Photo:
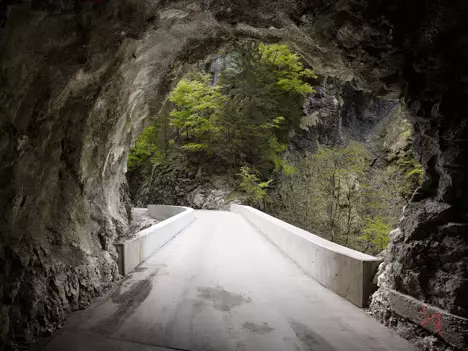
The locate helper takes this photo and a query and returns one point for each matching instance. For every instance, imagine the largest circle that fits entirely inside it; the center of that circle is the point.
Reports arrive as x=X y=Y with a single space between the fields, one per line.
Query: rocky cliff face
x=337 y=112
x=181 y=184
x=80 y=79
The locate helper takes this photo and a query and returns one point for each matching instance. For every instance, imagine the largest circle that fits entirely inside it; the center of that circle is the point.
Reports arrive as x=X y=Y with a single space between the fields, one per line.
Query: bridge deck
x=220 y=285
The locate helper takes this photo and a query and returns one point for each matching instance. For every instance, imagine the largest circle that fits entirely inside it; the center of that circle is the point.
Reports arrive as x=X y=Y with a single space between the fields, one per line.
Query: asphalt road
x=220 y=285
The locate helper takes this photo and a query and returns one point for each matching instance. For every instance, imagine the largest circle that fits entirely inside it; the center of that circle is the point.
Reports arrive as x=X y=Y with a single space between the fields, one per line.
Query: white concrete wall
x=148 y=241
x=163 y=212
x=346 y=272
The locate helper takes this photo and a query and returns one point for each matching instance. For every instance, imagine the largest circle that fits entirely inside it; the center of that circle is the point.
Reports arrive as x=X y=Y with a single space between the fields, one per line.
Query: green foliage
x=251 y=185
x=417 y=171
x=339 y=194
x=330 y=195
x=326 y=195
x=244 y=122
x=247 y=119
x=267 y=81
x=145 y=150
x=195 y=147
x=266 y=86
x=407 y=172
x=196 y=101
x=375 y=234
x=339 y=174
x=287 y=68
x=338 y=162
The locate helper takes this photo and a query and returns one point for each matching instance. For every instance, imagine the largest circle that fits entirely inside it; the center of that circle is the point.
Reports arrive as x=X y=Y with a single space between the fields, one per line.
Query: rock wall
x=80 y=78
x=337 y=112
x=62 y=196
x=72 y=98
x=182 y=184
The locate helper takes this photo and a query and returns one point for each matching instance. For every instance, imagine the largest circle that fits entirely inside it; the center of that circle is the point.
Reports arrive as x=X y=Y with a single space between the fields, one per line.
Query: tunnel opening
x=81 y=88
x=256 y=125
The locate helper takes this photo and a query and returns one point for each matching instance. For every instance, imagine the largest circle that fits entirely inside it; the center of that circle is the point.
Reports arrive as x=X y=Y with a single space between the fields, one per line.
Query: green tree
x=266 y=85
x=287 y=68
x=252 y=186
x=375 y=234
x=326 y=196
x=146 y=149
x=196 y=102
x=266 y=81
x=245 y=120
x=339 y=176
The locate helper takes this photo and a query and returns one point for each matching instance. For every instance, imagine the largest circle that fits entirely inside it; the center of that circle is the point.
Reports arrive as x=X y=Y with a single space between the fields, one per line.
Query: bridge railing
x=138 y=249
x=346 y=272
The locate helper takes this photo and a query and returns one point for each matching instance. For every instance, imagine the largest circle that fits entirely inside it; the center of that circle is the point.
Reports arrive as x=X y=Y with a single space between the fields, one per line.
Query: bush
x=251 y=185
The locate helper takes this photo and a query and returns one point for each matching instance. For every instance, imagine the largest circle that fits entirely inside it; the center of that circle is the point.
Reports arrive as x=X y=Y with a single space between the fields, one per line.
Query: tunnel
x=80 y=79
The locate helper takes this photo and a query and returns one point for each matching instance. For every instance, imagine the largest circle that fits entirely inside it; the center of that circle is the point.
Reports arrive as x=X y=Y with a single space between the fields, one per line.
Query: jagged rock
x=211 y=199
x=322 y=120
x=364 y=114
x=141 y=219
x=198 y=199
x=337 y=112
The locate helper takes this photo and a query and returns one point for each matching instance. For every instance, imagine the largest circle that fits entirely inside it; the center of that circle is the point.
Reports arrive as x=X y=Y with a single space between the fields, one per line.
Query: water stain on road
x=222 y=300
x=309 y=339
x=257 y=328
x=127 y=303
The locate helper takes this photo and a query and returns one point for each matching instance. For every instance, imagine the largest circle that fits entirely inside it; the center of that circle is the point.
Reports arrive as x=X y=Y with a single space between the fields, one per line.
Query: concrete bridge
x=239 y=280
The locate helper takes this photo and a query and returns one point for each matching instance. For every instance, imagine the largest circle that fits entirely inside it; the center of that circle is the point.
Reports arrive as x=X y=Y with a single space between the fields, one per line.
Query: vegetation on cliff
x=352 y=194
x=242 y=123
x=238 y=126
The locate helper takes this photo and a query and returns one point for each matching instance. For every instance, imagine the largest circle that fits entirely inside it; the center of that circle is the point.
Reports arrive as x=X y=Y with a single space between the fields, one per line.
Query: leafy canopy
x=252 y=186
x=245 y=120
x=287 y=67
x=375 y=233
x=146 y=149
x=239 y=124
x=195 y=103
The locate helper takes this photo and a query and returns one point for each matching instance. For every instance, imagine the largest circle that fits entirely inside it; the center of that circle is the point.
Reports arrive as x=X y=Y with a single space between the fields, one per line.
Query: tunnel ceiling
x=80 y=80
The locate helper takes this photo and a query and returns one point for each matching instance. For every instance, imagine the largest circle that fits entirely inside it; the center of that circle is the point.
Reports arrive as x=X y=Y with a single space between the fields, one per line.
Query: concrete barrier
x=137 y=250
x=163 y=212
x=346 y=272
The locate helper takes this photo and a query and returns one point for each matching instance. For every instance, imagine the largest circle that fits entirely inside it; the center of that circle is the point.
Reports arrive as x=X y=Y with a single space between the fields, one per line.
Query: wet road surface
x=219 y=286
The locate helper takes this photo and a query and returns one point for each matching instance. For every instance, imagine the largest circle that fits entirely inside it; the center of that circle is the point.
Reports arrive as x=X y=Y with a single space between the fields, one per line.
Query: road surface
x=219 y=286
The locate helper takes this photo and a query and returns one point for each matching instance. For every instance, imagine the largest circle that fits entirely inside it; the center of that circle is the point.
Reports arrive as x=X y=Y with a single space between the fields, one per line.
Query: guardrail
x=138 y=249
x=346 y=272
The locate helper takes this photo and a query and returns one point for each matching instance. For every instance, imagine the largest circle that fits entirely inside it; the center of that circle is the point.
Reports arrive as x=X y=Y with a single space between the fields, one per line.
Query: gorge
x=81 y=79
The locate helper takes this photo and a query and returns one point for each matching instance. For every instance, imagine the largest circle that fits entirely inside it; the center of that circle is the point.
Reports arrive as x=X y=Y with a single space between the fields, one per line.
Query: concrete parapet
x=344 y=271
x=163 y=212
x=451 y=328
x=138 y=249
